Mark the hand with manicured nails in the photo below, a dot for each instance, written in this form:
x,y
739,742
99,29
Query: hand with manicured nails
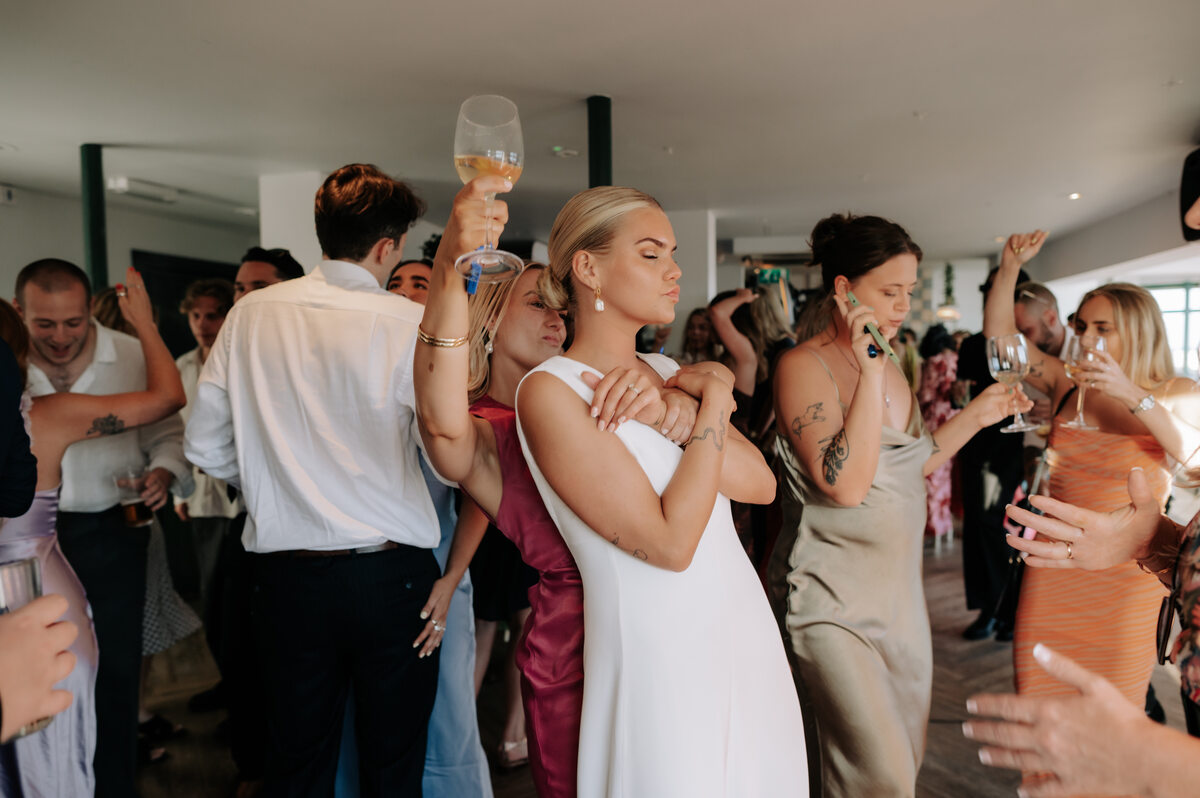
x,y
1098,540
1090,742
1104,374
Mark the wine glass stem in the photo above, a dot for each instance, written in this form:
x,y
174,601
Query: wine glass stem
x,y
491,201
1079,405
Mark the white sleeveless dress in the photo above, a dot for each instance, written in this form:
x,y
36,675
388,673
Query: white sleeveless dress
x,y
687,690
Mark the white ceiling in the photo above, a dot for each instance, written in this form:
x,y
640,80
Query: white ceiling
x,y
962,119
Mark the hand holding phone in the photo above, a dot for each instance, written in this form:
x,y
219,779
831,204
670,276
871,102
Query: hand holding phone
x,y
881,344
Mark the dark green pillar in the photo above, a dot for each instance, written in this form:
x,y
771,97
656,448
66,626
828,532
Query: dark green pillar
x,y
599,141
95,236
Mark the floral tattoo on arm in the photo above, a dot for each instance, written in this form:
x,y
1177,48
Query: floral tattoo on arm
x,y
833,458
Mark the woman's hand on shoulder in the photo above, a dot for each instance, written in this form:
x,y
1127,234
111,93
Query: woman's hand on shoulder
x,y
622,394
703,382
719,370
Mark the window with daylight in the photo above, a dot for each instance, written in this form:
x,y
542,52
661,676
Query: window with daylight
x,y
1180,305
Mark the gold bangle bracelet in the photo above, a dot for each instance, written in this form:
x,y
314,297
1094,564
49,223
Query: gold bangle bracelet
x,y
444,343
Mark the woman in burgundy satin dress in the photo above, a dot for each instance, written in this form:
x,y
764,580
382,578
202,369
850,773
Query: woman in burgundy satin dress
x,y
465,397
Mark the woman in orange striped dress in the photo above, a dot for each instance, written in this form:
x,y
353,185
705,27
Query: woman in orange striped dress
x,y
1104,620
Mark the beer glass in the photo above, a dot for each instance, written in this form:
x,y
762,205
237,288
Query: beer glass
x,y
131,481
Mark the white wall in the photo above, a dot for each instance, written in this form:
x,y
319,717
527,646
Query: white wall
x,y
48,226
696,237
285,215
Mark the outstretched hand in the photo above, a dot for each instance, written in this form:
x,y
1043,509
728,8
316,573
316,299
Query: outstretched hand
x,y
1096,540
1087,743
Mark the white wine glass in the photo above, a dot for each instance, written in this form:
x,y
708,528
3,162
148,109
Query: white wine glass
x,y
1008,362
1081,349
487,141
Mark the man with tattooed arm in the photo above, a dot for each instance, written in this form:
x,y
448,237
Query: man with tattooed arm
x,y
72,353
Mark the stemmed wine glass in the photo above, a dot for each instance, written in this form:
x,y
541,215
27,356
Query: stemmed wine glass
x,y
1081,349
487,141
1008,361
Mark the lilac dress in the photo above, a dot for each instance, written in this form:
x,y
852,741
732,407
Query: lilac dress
x,y
56,761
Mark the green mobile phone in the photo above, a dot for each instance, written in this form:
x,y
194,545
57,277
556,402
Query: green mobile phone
x,y
884,346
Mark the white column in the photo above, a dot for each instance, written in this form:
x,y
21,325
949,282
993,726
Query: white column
x,y
285,214
696,235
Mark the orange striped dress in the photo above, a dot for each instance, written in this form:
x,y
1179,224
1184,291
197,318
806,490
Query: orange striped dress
x,y
1104,620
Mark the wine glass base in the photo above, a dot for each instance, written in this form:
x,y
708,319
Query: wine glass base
x,y
489,266
1077,424
1015,427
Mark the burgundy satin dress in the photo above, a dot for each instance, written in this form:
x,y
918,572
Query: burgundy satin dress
x,y
550,652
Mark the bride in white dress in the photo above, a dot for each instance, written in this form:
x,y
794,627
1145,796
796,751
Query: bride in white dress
x,y
686,685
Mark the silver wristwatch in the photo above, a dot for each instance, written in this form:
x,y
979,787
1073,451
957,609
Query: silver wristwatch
x,y
1147,403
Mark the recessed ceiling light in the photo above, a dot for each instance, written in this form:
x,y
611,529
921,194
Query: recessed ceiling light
x,y
1073,195
559,151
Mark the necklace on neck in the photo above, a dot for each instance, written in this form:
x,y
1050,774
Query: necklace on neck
x,y
887,401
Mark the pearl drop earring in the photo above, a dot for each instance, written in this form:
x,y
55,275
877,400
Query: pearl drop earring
x,y
599,301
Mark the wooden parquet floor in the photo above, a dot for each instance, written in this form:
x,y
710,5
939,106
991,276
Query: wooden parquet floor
x,y
200,765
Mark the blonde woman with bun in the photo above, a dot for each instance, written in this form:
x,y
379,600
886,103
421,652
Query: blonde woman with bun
x,y
466,383
686,689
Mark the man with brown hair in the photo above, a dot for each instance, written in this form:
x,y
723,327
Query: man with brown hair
x,y
306,402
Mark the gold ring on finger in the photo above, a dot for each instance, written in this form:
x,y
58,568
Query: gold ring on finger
x,y
634,388
1070,554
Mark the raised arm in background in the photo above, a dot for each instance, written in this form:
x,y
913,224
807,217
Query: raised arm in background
x,y
739,347
1046,372
60,419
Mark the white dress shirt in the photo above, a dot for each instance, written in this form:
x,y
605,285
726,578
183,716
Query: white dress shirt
x,y
117,366
306,402
210,499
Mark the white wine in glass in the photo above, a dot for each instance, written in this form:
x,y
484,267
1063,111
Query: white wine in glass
x,y
1081,349
487,141
1008,361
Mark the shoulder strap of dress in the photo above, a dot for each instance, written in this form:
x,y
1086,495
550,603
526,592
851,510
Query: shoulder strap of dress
x,y
821,360
662,365
1063,402
567,370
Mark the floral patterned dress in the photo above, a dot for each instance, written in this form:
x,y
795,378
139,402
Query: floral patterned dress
x,y
1186,653
937,381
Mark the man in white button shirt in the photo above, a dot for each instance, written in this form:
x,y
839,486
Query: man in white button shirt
x,y
306,402
71,352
